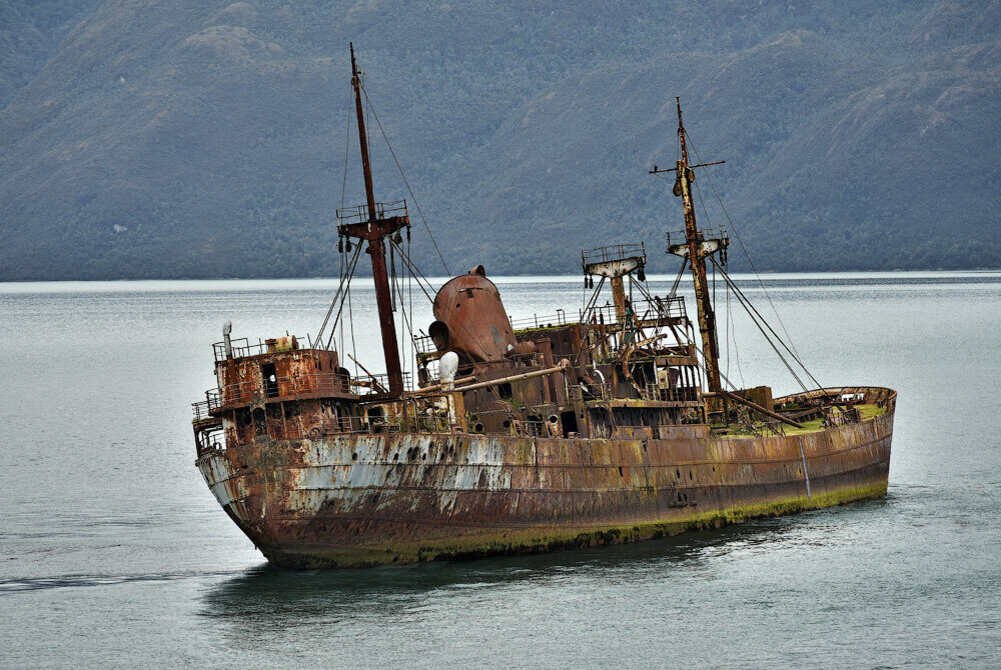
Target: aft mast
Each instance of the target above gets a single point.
(372, 225)
(695, 249)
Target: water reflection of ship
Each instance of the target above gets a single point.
(264, 592)
(526, 436)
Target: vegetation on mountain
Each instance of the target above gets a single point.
(169, 139)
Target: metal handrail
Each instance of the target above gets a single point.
(423, 344)
(201, 410)
(536, 321)
(242, 393)
(614, 252)
(681, 236)
(671, 394)
(661, 308)
(243, 347)
(360, 213)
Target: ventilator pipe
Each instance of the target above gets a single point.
(227, 328)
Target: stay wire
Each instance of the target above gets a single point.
(677, 280)
(732, 334)
(410, 297)
(344, 186)
(337, 297)
(351, 326)
(784, 345)
(588, 309)
(406, 320)
(410, 264)
(347, 152)
(740, 241)
(392, 153)
(755, 319)
(702, 368)
(340, 326)
(344, 291)
(726, 330)
(758, 320)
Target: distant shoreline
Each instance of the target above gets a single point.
(506, 279)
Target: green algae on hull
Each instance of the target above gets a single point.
(515, 542)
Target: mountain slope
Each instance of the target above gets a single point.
(168, 139)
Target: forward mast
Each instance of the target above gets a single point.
(371, 224)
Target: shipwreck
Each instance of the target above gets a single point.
(611, 425)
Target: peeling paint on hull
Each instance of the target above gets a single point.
(363, 500)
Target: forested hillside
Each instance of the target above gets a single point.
(29, 34)
(174, 139)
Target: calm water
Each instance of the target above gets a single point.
(114, 553)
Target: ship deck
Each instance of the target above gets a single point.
(810, 425)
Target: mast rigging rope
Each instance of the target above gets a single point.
(740, 241)
(405, 182)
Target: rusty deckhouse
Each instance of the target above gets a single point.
(517, 437)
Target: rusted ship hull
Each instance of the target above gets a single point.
(363, 500)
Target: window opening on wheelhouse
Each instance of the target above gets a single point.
(270, 376)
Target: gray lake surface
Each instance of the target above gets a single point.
(113, 553)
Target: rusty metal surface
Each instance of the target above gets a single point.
(471, 319)
(369, 499)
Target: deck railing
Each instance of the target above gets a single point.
(242, 347)
(615, 252)
(319, 384)
(360, 213)
(644, 310)
(536, 321)
(672, 394)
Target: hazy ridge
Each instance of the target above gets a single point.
(168, 139)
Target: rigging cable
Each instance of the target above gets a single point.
(677, 280)
(755, 317)
(736, 232)
(343, 291)
(742, 298)
(791, 370)
(338, 296)
(406, 321)
(731, 333)
(351, 326)
(340, 325)
(405, 182)
(410, 265)
(589, 309)
(392, 279)
(784, 345)
(726, 331)
(344, 186)
(347, 150)
(410, 297)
